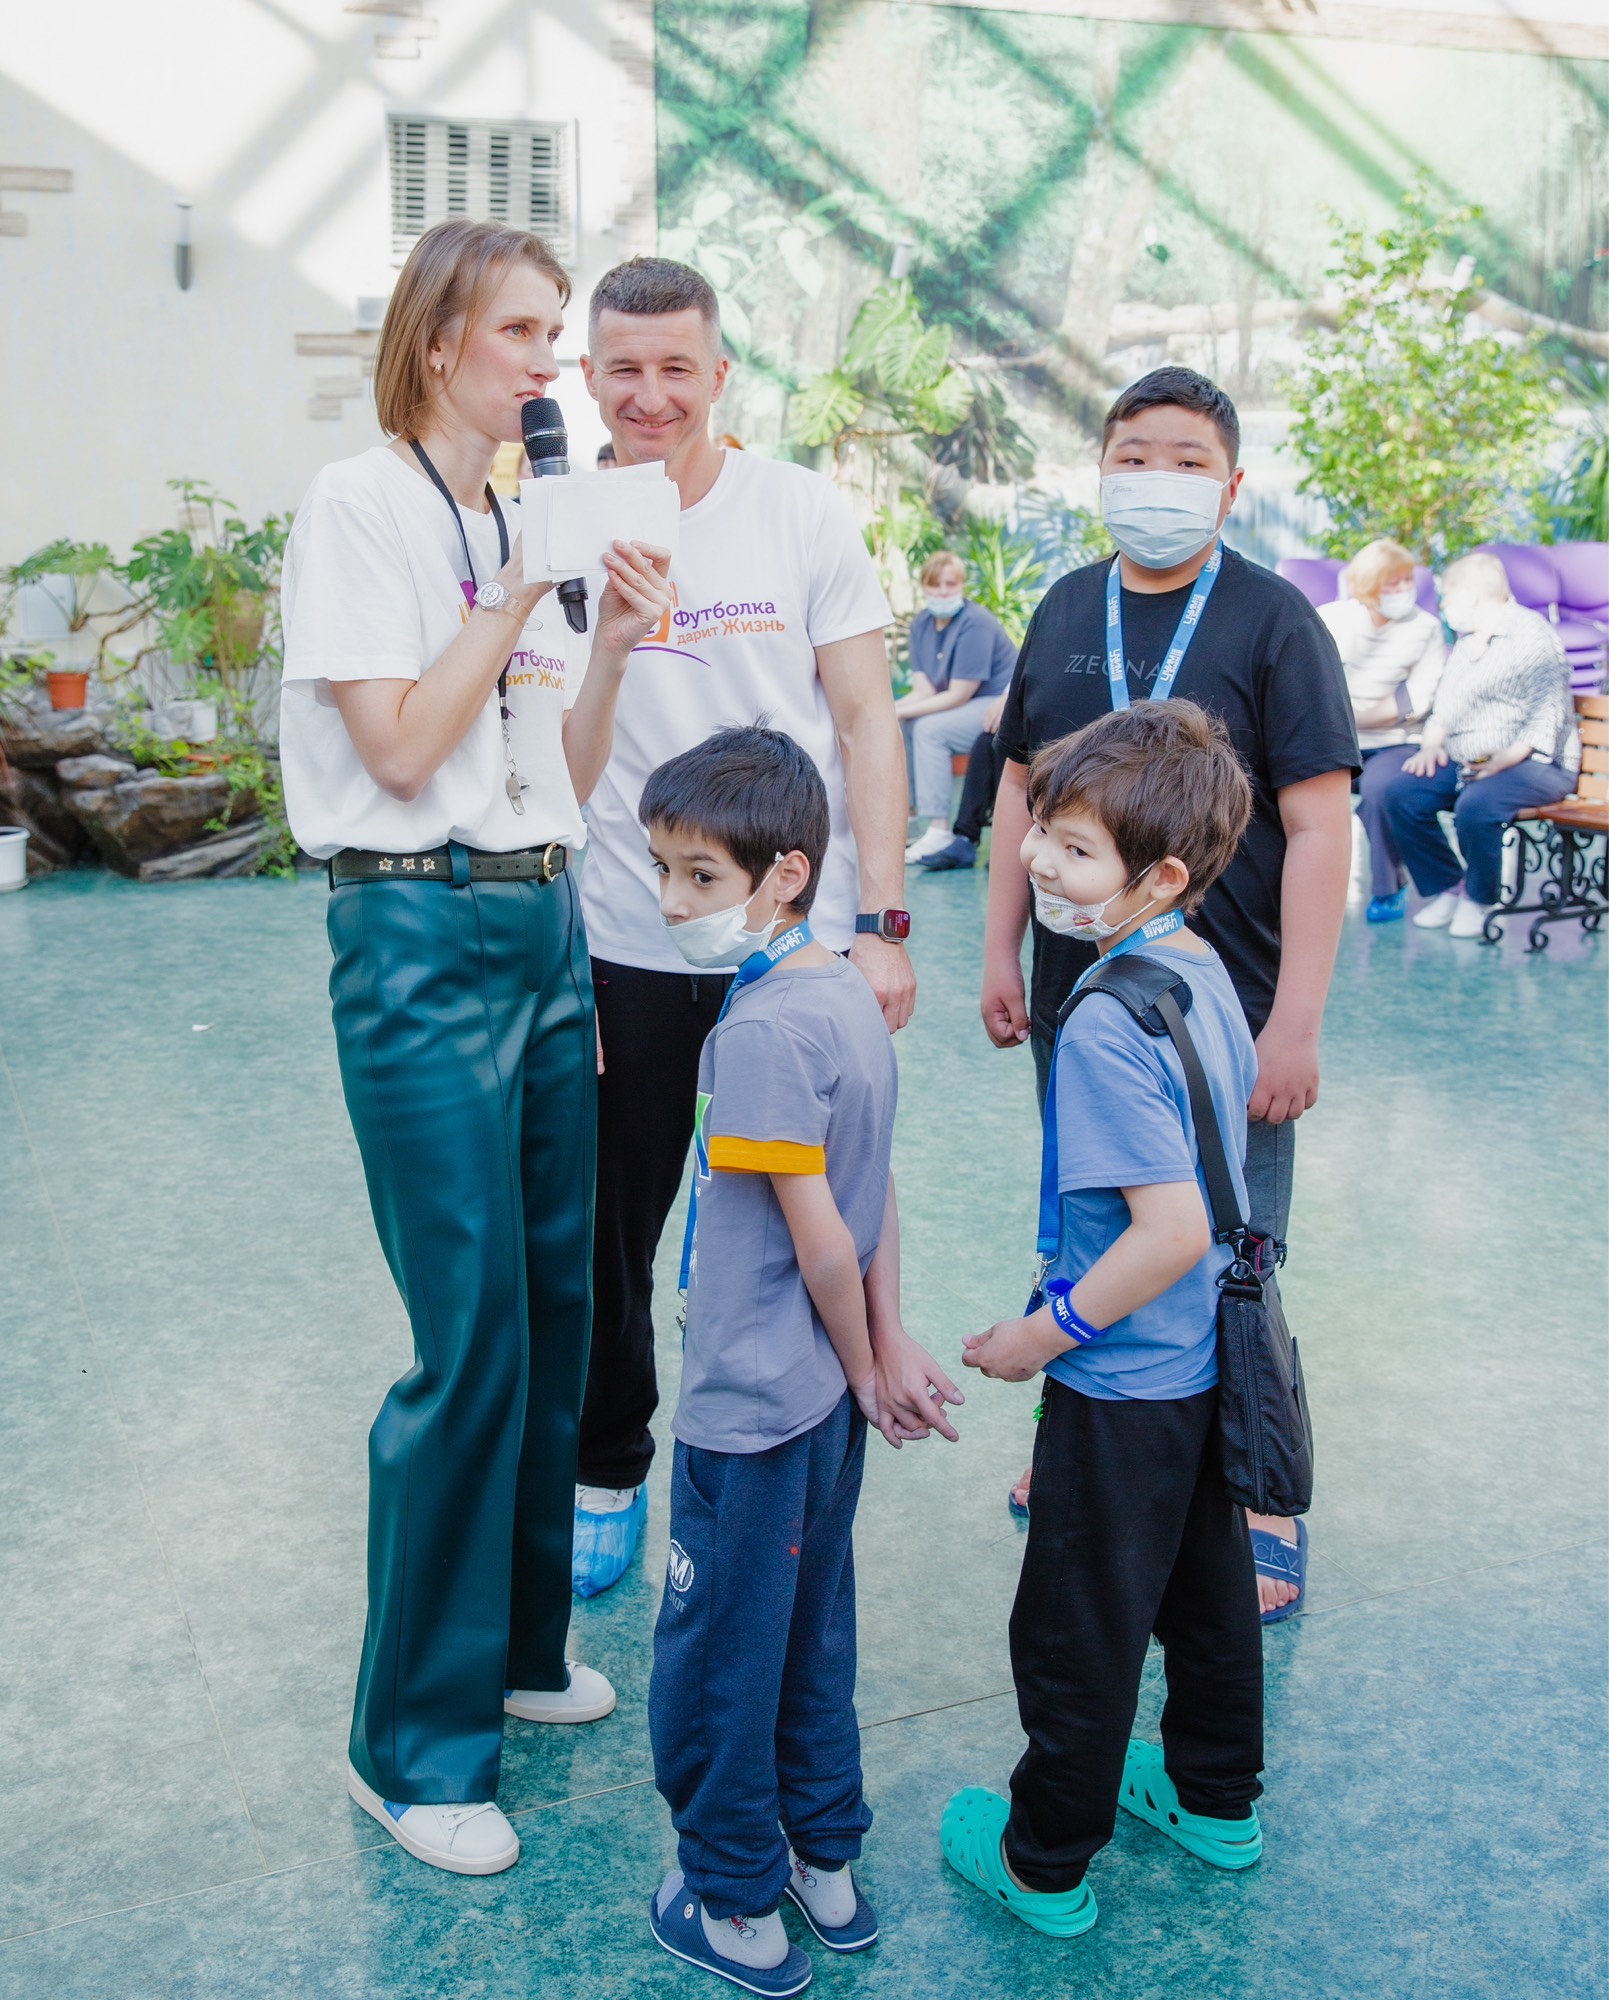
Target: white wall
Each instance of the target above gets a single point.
(270, 116)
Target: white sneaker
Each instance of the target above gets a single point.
(928, 843)
(1469, 919)
(588, 1697)
(465, 1840)
(1438, 912)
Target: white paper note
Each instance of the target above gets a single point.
(567, 523)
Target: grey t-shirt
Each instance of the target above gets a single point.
(799, 1078)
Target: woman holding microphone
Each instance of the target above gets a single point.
(435, 750)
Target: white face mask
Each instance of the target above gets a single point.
(1086, 921)
(722, 938)
(945, 607)
(1161, 518)
(1398, 603)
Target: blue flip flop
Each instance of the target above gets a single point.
(1149, 1793)
(860, 1931)
(970, 1834)
(676, 1920)
(1286, 1563)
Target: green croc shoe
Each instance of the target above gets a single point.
(970, 1834)
(1148, 1792)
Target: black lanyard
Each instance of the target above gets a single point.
(440, 485)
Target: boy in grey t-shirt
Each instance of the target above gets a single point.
(793, 1345)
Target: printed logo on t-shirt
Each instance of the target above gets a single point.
(680, 630)
(527, 669)
(701, 1139)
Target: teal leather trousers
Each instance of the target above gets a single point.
(464, 1024)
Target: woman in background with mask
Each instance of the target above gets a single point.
(1501, 735)
(961, 662)
(1392, 653)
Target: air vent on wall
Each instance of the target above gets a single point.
(519, 173)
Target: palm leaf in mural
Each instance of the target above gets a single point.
(825, 407)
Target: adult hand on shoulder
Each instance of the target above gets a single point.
(1287, 1075)
(635, 598)
(1005, 1005)
(888, 971)
(912, 1390)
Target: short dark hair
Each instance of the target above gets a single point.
(1162, 777)
(1185, 390)
(752, 791)
(646, 285)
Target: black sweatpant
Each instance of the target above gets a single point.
(985, 761)
(1132, 1532)
(653, 1026)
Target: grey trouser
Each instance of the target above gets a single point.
(931, 741)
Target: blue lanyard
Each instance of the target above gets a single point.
(753, 968)
(1049, 1176)
(1117, 673)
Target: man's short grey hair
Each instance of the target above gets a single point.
(1483, 576)
(644, 286)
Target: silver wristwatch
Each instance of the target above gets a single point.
(494, 596)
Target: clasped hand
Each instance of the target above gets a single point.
(905, 1395)
(1015, 1350)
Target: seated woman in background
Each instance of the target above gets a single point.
(1501, 735)
(961, 663)
(1392, 652)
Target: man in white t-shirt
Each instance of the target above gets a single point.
(779, 618)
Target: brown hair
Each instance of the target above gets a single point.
(1162, 778)
(937, 563)
(646, 286)
(450, 275)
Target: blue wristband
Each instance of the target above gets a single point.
(1075, 1327)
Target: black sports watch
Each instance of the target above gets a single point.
(895, 925)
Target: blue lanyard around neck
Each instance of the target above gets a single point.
(1117, 673)
(752, 968)
(1049, 1163)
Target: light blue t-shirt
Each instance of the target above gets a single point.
(1122, 1113)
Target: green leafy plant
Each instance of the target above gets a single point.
(895, 380)
(69, 573)
(1411, 422)
(209, 589)
(1064, 537)
(1573, 506)
(1004, 573)
(241, 762)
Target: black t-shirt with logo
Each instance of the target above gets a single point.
(1263, 661)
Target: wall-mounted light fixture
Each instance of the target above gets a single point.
(900, 264)
(183, 256)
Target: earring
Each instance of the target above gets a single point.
(437, 366)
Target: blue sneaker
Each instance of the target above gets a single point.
(676, 1919)
(608, 1527)
(1387, 909)
(958, 852)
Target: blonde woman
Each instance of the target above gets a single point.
(438, 734)
(1392, 652)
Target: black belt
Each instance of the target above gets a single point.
(527, 864)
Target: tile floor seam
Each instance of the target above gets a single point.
(1453, 1575)
(132, 1456)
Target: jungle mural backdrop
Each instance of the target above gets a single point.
(1077, 200)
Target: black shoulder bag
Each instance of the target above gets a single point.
(1262, 1400)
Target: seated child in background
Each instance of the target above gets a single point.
(1132, 1530)
(793, 1344)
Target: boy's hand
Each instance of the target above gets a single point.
(912, 1390)
(865, 1395)
(1015, 1350)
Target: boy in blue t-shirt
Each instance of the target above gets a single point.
(1132, 1530)
(793, 1344)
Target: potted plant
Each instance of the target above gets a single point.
(68, 574)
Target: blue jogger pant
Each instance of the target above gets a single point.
(752, 1703)
(1481, 808)
(463, 1021)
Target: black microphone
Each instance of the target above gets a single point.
(547, 446)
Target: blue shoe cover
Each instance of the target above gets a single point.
(1387, 909)
(604, 1546)
(676, 1921)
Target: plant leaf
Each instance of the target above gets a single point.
(823, 406)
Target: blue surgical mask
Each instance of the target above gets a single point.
(945, 607)
(1398, 603)
(1159, 519)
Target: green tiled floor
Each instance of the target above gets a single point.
(196, 1329)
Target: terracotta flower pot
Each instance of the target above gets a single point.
(69, 687)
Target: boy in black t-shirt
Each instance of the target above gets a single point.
(1255, 653)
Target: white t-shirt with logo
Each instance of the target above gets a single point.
(770, 566)
(373, 590)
